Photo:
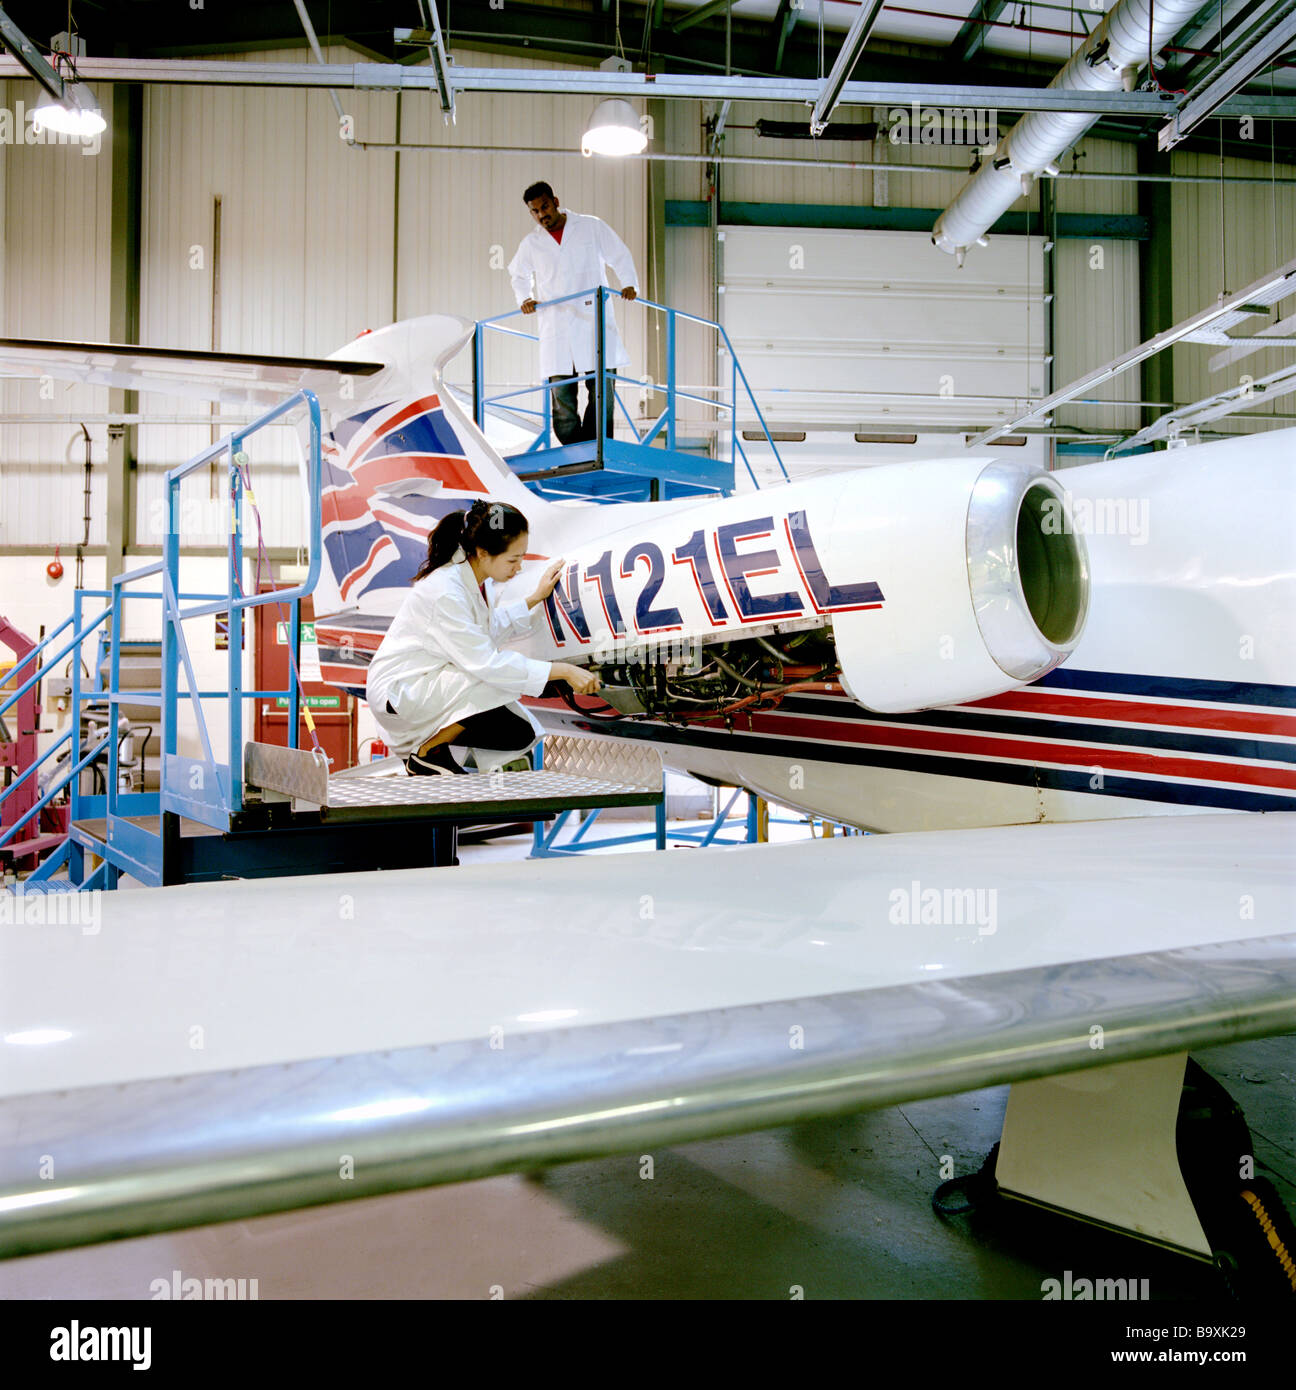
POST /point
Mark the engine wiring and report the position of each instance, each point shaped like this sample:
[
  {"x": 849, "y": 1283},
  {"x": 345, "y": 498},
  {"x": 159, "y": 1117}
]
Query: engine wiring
[{"x": 738, "y": 678}]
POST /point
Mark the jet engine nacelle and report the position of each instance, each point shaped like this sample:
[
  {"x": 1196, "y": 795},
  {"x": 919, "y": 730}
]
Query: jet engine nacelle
[
  {"x": 938, "y": 583},
  {"x": 985, "y": 581}
]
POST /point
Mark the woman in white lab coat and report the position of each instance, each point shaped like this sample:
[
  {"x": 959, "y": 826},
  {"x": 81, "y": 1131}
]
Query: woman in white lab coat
[{"x": 439, "y": 678}]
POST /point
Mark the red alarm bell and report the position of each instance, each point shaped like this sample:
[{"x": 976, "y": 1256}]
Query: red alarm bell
[{"x": 55, "y": 567}]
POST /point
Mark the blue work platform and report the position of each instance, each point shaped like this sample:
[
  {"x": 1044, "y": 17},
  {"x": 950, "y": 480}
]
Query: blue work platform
[{"x": 644, "y": 460}]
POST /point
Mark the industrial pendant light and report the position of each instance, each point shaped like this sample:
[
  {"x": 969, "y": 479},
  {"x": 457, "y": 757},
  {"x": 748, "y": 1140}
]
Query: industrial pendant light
[
  {"x": 614, "y": 129},
  {"x": 77, "y": 114}
]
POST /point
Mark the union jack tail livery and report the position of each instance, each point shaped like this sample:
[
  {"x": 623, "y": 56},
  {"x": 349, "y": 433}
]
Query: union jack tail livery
[{"x": 391, "y": 471}]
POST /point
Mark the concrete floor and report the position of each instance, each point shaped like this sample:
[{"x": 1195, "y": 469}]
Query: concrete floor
[{"x": 837, "y": 1208}]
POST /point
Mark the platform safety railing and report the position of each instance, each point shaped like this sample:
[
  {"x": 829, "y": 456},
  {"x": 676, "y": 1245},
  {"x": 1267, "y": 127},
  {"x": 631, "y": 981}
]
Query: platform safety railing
[
  {"x": 665, "y": 427},
  {"x": 204, "y": 788},
  {"x": 208, "y": 790}
]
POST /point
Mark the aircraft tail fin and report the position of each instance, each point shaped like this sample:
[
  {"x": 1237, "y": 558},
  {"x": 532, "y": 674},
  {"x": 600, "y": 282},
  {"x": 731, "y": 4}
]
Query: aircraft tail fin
[{"x": 400, "y": 460}]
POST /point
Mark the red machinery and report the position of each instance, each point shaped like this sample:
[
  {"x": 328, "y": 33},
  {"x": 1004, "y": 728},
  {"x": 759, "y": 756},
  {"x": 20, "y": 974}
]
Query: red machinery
[{"x": 18, "y": 751}]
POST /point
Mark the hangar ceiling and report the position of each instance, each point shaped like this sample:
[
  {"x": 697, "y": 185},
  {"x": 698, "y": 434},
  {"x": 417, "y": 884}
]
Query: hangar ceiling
[{"x": 951, "y": 42}]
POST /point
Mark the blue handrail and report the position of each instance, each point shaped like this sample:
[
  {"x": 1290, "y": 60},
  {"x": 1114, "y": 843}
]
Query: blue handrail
[
  {"x": 175, "y": 648},
  {"x": 176, "y": 608},
  {"x": 666, "y": 421}
]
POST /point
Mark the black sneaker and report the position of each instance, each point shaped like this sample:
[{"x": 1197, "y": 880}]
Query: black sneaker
[{"x": 439, "y": 761}]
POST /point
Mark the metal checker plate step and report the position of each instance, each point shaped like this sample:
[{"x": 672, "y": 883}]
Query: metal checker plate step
[{"x": 475, "y": 794}]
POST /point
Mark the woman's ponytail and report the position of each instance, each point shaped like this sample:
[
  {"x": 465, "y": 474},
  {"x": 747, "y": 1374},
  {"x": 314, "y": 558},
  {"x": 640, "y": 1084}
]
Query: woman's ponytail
[
  {"x": 443, "y": 541},
  {"x": 485, "y": 526}
]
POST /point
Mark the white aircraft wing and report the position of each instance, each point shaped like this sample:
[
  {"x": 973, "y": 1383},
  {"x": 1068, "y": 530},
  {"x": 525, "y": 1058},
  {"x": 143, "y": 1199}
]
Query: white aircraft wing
[
  {"x": 237, "y": 1048},
  {"x": 232, "y": 378}
]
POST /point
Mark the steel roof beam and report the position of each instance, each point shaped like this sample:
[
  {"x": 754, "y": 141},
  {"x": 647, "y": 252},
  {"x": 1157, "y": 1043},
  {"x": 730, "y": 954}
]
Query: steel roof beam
[
  {"x": 784, "y": 22},
  {"x": 1203, "y": 31},
  {"x": 29, "y": 57},
  {"x": 698, "y": 16},
  {"x": 972, "y": 35},
  {"x": 830, "y": 92},
  {"x": 1265, "y": 42},
  {"x": 682, "y": 86}
]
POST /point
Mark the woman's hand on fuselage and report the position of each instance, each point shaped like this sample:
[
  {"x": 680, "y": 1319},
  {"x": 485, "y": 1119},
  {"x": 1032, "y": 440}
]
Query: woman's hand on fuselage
[
  {"x": 581, "y": 681},
  {"x": 548, "y": 581}
]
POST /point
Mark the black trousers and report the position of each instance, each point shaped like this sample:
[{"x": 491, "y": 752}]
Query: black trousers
[
  {"x": 569, "y": 425},
  {"x": 498, "y": 729}
]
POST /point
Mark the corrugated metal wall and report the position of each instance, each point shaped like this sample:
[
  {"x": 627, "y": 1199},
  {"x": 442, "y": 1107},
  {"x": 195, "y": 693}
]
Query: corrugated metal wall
[
  {"x": 773, "y": 183},
  {"x": 53, "y": 284},
  {"x": 1240, "y": 232},
  {"x": 303, "y": 262},
  {"x": 689, "y": 284},
  {"x": 1096, "y": 287}
]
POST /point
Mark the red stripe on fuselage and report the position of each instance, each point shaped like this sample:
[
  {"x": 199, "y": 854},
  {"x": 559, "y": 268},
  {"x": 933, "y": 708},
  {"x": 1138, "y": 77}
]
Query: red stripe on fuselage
[
  {"x": 992, "y": 748},
  {"x": 1225, "y": 720},
  {"x": 995, "y": 748},
  {"x": 356, "y": 639}
]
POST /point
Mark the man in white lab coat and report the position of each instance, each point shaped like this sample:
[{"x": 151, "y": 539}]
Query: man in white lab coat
[{"x": 567, "y": 253}]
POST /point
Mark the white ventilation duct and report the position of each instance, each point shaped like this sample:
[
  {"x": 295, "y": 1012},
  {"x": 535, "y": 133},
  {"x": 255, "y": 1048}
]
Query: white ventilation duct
[{"x": 1107, "y": 61}]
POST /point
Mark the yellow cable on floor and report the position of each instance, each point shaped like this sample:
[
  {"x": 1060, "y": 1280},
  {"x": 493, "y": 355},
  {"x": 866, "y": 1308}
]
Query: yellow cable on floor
[{"x": 1271, "y": 1234}]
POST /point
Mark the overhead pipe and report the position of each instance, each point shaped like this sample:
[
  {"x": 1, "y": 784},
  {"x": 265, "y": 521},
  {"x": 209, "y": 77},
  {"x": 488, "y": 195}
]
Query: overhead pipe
[
  {"x": 1108, "y": 60},
  {"x": 818, "y": 165}
]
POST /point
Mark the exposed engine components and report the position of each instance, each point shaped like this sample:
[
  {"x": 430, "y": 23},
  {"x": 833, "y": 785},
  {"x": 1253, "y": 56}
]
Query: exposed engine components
[{"x": 689, "y": 683}]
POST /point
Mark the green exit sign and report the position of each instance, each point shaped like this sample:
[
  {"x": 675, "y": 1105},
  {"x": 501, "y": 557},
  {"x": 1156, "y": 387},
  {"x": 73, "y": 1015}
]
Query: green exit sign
[{"x": 307, "y": 630}]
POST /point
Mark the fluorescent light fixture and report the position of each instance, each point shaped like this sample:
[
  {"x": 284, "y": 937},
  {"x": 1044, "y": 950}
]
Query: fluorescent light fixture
[
  {"x": 614, "y": 129},
  {"x": 77, "y": 114}
]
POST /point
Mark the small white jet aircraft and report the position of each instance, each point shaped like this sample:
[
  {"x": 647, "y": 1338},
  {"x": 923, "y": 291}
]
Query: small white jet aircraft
[{"x": 961, "y": 647}]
